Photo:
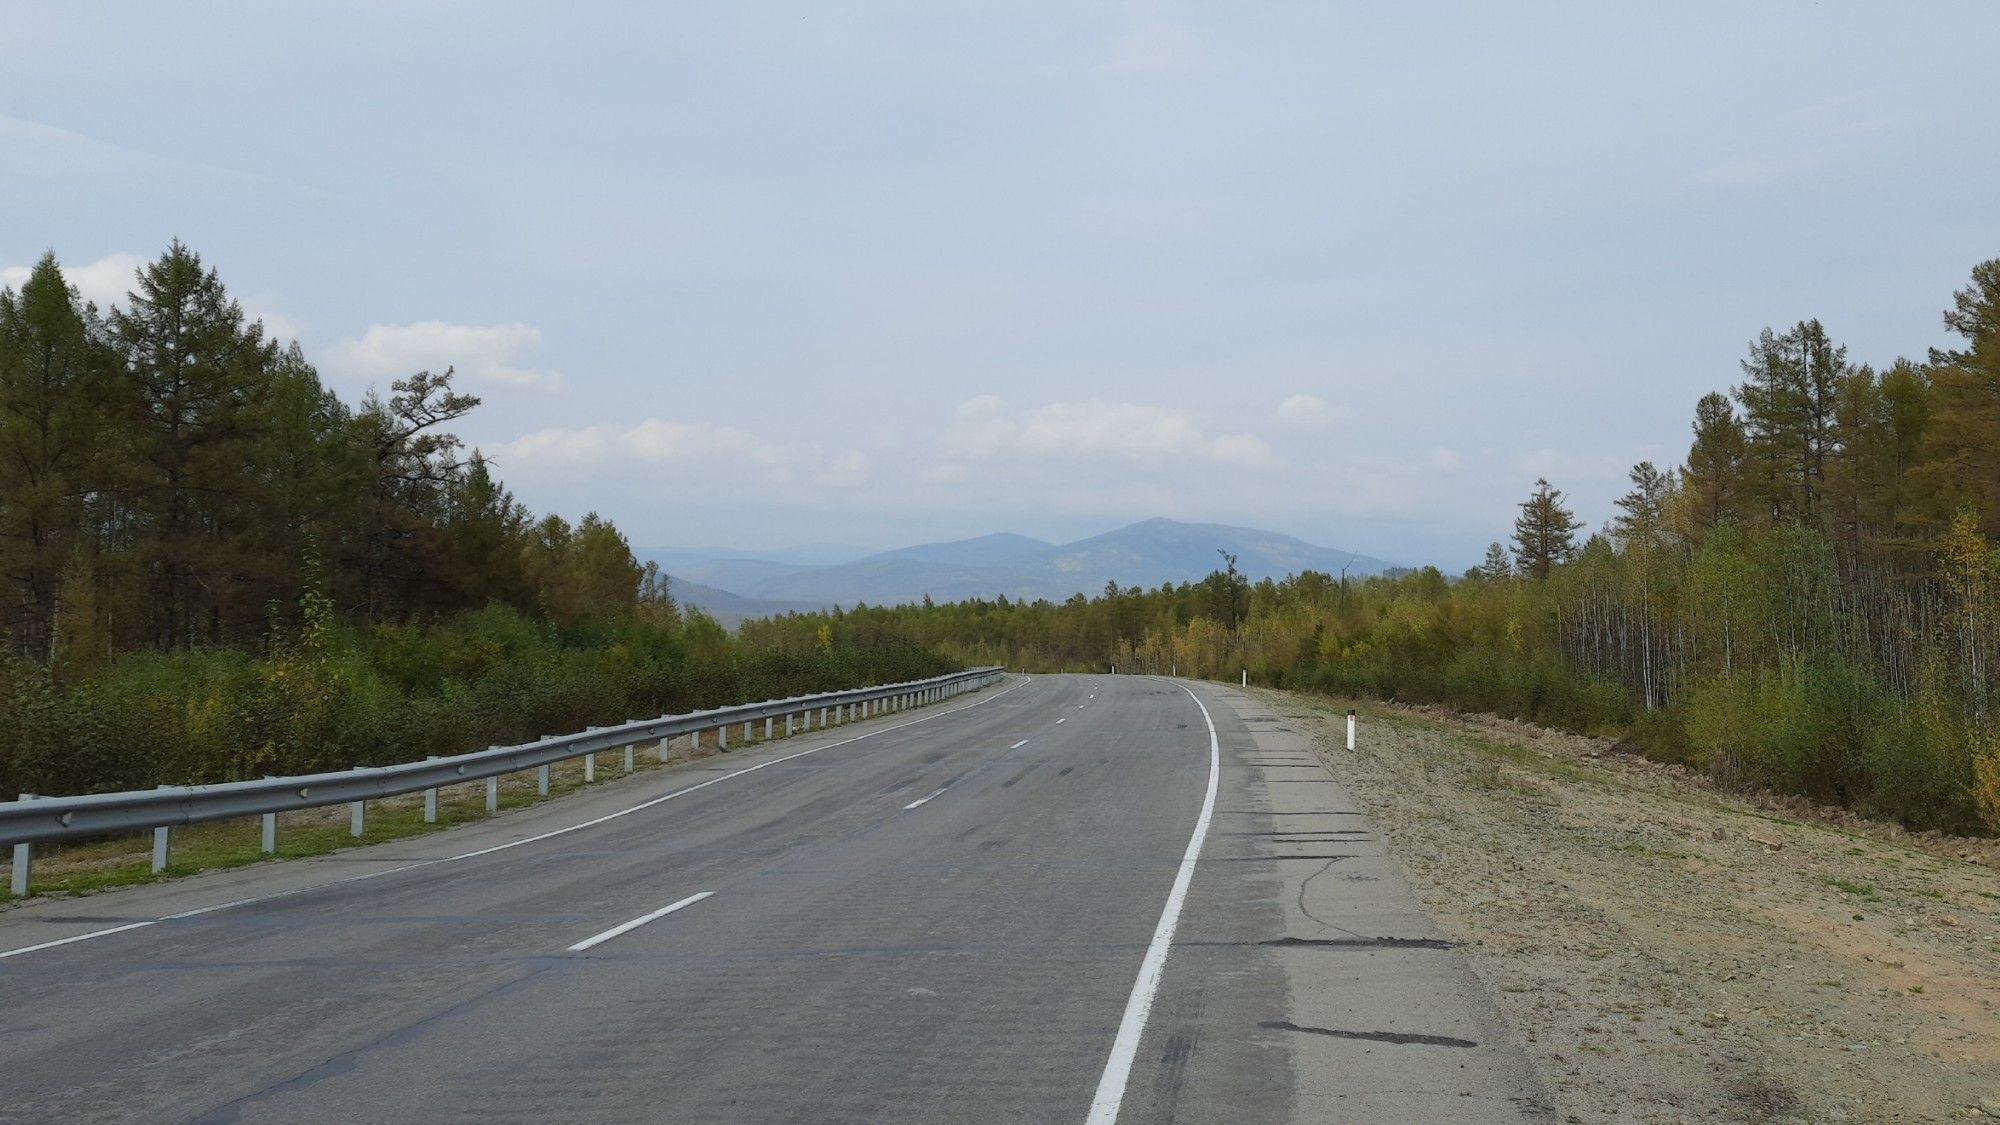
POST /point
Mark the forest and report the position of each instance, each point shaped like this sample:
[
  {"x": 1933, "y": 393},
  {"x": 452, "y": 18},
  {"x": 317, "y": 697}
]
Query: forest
[
  {"x": 1810, "y": 603},
  {"x": 212, "y": 568}
]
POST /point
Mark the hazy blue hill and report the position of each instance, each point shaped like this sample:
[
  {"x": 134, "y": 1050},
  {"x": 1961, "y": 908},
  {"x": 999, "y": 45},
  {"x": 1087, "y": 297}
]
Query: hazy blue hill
[
  {"x": 1147, "y": 553},
  {"x": 1154, "y": 551},
  {"x": 986, "y": 550},
  {"x": 727, "y": 608},
  {"x": 744, "y": 576}
]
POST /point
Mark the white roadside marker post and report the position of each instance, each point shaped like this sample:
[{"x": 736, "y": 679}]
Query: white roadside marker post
[
  {"x": 270, "y": 841},
  {"x": 1246, "y": 677},
  {"x": 1350, "y": 728},
  {"x": 24, "y": 858},
  {"x": 160, "y": 844},
  {"x": 354, "y": 818},
  {"x": 492, "y": 795},
  {"x": 430, "y": 800}
]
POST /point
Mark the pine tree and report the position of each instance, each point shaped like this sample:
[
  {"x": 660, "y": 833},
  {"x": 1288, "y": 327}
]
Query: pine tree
[
  {"x": 1544, "y": 532},
  {"x": 1497, "y": 566},
  {"x": 197, "y": 376},
  {"x": 1962, "y": 440},
  {"x": 53, "y": 390},
  {"x": 412, "y": 464},
  {"x": 1789, "y": 402},
  {"x": 1715, "y": 463},
  {"x": 1643, "y": 509}
]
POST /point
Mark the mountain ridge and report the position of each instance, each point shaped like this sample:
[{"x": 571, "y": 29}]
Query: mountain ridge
[{"x": 1148, "y": 553}]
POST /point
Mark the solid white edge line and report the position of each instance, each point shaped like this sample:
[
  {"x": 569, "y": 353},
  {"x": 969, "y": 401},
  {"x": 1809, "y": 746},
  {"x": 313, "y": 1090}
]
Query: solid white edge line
[
  {"x": 79, "y": 937},
  {"x": 643, "y": 805},
  {"x": 1139, "y": 1007},
  {"x": 1018, "y": 745},
  {"x": 628, "y": 927},
  {"x": 921, "y": 800},
  {"x": 1060, "y": 722}
]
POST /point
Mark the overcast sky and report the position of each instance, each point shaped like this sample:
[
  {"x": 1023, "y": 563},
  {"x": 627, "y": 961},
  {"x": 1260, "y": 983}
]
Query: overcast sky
[{"x": 757, "y": 275}]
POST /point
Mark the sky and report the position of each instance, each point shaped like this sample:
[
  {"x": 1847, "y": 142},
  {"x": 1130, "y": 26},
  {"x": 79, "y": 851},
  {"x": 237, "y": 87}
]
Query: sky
[{"x": 755, "y": 275}]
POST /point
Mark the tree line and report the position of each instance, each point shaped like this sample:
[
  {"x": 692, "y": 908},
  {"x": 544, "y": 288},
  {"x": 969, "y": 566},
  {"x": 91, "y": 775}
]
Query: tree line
[
  {"x": 171, "y": 477},
  {"x": 212, "y": 568},
  {"x": 1811, "y": 602}
]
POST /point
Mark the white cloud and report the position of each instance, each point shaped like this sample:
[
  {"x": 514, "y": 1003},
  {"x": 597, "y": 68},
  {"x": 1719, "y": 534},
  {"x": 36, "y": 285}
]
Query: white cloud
[
  {"x": 482, "y": 353},
  {"x": 722, "y": 458},
  {"x": 103, "y": 282},
  {"x": 1309, "y": 412},
  {"x": 277, "y": 326},
  {"x": 1124, "y": 431}
]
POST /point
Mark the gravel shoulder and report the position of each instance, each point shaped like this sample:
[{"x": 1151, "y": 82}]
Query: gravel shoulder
[{"x": 1665, "y": 951}]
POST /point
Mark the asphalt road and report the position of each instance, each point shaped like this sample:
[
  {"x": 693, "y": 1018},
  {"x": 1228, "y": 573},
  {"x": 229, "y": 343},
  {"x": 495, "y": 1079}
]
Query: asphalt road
[{"x": 944, "y": 915}]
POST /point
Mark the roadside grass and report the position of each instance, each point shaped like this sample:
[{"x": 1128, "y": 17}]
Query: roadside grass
[{"x": 80, "y": 868}]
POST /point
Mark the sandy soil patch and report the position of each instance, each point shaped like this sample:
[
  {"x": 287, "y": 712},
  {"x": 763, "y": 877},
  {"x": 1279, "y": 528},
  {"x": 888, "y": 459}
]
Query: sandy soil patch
[{"x": 1669, "y": 952}]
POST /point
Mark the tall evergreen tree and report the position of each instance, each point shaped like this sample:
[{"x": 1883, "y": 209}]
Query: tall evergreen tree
[
  {"x": 197, "y": 372},
  {"x": 1962, "y": 441},
  {"x": 1642, "y": 511},
  {"x": 1715, "y": 463},
  {"x": 1544, "y": 532},
  {"x": 1496, "y": 566},
  {"x": 1789, "y": 398},
  {"x": 53, "y": 392},
  {"x": 413, "y": 464}
]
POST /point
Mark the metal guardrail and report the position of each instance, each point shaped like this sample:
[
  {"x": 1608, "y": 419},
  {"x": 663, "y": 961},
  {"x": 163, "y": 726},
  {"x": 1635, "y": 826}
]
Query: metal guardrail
[{"x": 33, "y": 819}]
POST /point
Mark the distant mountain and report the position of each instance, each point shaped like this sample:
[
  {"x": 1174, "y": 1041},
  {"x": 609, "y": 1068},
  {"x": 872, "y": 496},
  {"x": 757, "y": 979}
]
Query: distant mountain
[
  {"x": 986, "y": 550},
  {"x": 683, "y": 560},
  {"x": 1153, "y": 551},
  {"x": 731, "y": 610},
  {"x": 1148, "y": 553}
]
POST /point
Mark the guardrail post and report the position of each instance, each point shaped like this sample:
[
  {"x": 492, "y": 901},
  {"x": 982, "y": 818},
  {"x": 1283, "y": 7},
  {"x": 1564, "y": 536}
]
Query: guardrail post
[
  {"x": 788, "y": 726},
  {"x": 270, "y": 840},
  {"x": 542, "y": 781},
  {"x": 767, "y": 728},
  {"x": 590, "y": 767},
  {"x": 748, "y": 738},
  {"x": 628, "y": 757},
  {"x": 492, "y": 795},
  {"x": 694, "y": 741},
  {"x": 430, "y": 799},
  {"x": 663, "y": 751},
  {"x": 722, "y": 737},
  {"x": 160, "y": 843},
  {"x": 24, "y": 858},
  {"x": 822, "y": 718},
  {"x": 354, "y": 819}
]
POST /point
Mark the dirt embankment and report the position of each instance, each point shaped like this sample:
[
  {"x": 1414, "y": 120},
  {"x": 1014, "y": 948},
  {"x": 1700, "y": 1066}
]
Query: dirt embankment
[{"x": 1667, "y": 952}]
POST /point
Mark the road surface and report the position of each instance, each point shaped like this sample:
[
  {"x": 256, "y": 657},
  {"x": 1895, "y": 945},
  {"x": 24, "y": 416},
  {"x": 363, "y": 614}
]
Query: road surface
[{"x": 1065, "y": 898}]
